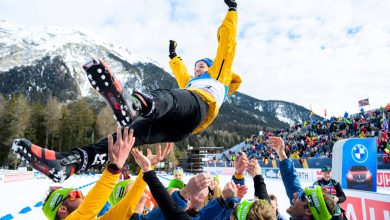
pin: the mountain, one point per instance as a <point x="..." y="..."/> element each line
<point x="47" y="61"/>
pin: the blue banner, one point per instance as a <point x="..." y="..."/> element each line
<point x="271" y="173"/>
<point x="359" y="164"/>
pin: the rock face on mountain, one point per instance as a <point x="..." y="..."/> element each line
<point x="47" y="61"/>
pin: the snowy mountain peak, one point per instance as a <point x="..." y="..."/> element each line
<point x="47" y="61"/>
<point x="30" y="43"/>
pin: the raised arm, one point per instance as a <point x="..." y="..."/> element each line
<point x="178" y="67"/>
<point x="160" y="194"/>
<point x="287" y="169"/>
<point x="98" y="195"/>
<point x="260" y="188"/>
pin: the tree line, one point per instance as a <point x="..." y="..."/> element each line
<point x="63" y="126"/>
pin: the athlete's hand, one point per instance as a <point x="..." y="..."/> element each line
<point x="119" y="151"/>
<point x="241" y="191"/>
<point x="240" y="163"/>
<point x="230" y="190"/>
<point x="196" y="184"/>
<point x="154" y="159"/>
<point x="172" y="49"/>
<point x="232" y="4"/>
<point x="254" y="168"/>
<point x="278" y="144"/>
<point x="197" y="200"/>
<point x="141" y="160"/>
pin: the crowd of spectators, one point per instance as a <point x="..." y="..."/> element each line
<point x="316" y="138"/>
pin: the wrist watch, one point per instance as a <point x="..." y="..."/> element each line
<point x="192" y="212"/>
<point x="230" y="203"/>
<point x="221" y="202"/>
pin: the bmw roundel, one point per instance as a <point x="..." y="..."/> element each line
<point x="359" y="153"/>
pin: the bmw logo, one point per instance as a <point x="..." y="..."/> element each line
<point x="359" y="153"/>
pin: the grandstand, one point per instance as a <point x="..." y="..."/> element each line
<point x="309" y="144"/>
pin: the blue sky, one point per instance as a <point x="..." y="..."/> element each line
<point x="327" y="54"/>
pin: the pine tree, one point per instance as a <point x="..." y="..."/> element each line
<point x="105" y="123"/>
<point x="52" y="116"/>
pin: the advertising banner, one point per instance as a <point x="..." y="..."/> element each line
<point x="383" y="179"/>
<point x="359" y="164"/>
<point x="271" y="173"/>
<point x="366" y="205"/>
<point x="305" y="174"/>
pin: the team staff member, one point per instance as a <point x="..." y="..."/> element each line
<point x="334" y="189"/>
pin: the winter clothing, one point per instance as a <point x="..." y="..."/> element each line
<point x="334" y="189"/>
<point x="168" y="207"/>
<point x="219" y="81"/>
<point x="290" y="178"/>
<point x="99" y="194"/>
<point x="175" y="114"/>
<point x="208" y="61"/>
<point x="156" y="213"/>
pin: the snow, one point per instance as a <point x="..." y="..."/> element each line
<point x="18" y="195"/>
<point x="37" y="41"/>
<point x="23" y="45"/>
<point x="281" y="115"/>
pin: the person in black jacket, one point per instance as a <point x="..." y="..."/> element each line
<point x="334" y="189"/>
<point x="261" y="207"/>
<point x="167" y="205"/>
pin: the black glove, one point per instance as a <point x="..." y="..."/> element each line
<point x="232" y="4"/>
<point x="172" y="48"/>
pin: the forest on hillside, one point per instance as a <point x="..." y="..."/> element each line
<point x="64" y="126"/>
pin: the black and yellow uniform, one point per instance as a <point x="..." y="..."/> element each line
<point x="175" y="114"/>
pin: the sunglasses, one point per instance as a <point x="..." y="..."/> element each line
<point x="75" y="194"/>
<point x="303" y="197"/>
<point x="72" y="195"/>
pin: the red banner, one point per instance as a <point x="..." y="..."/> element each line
<point x="364" y="205"/>
<point x="383" y="179"/>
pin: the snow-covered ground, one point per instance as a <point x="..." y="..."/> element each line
<point x="16" y="196"/>
<point x="25" y="195"/>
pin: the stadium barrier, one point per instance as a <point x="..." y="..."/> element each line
<point x="360" y="205"/>
<point x="298" y="163"/>
<point x="364" y="205"/>
<point x="16" y="176"/>
<point x="311" y="175"/>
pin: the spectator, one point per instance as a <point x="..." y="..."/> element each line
<point x="334" y="189"/>
<point x="274" y="203"/>
<point x="302" y="207"/>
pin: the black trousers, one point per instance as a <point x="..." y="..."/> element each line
<point x="175" y="115"/>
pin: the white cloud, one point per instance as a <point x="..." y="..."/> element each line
<point x="297" y="51"/>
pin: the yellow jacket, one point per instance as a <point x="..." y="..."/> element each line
<point x="98" y="195"/>
<point x="219" y="81"/>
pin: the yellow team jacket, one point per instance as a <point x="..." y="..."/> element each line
<point x="99" y="194"/>
<point x="220" y="81"/>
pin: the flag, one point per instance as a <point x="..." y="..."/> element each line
<point x="364" y="102"/>
<point x="385" y="123"/>
<point x="325" y="112"/>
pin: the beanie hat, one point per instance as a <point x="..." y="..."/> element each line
<point x="175" y="183"/>
<point x="54" y="201"/>
<point x="208" y="61"/>
<point x="119" y="191"/>
<point x="178" y="170"/>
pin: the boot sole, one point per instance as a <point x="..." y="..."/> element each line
<point x="104" y="82"/>
<point x="33" y="156"/>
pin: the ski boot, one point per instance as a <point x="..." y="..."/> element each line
<point x="56" y="166"/>
<point x="125" y="107"/>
